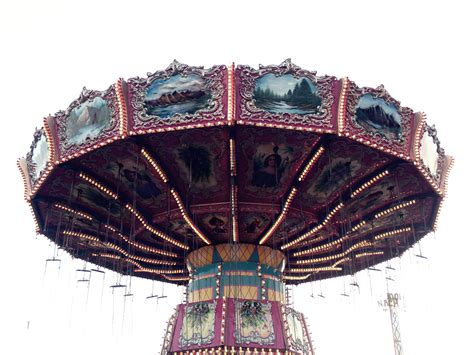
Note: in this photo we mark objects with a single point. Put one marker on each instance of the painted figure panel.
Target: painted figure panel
(373, 197)
(270, 165)
(290, 227)
(178, 227)
(87, 121)
(136, 177)
(196, 163)
(286, 94)
(198, 324)
(216, 224)
(332, 177)
(254, 223)
(177, 95)
(254, 323)
(267, 161)
(97, 200)
(400, 183)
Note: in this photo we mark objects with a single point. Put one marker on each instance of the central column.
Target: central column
(240, 271)
(236, 305)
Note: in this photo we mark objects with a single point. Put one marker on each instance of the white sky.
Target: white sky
(422, 53)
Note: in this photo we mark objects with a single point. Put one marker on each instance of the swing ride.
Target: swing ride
(235, 181)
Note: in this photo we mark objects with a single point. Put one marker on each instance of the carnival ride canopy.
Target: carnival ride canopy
(136, 177)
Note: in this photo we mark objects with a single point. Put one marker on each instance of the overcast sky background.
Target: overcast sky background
(421, 51)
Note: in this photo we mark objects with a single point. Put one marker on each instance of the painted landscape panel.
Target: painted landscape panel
(286, 94)
(375, 115)
(429, 153)
(87, 121)
(40, 156)
(177, 95)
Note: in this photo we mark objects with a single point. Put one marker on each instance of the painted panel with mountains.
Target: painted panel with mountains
(87, 121)
(286, 94)
(377, 116)
(177, 95)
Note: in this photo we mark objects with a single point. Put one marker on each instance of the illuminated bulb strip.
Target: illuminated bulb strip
(359, 245)
(373, 253)
(290, 127)
(152, 261)
(340, 261)
(358, 226)
(116, 257)
(235, 229)
(188, 219)
(176, 278)
(77, 154)
(42, 178)
(122, 108)
(82, 236)
(330, 245)
(49, 140)
(313, 241)
(314, 230)
(159, 272)
(310, 164)
(133, 262)
(169, 332)
(157, 167)
(118, 249)
(143, 269)
(280, 217)
(154, 230)
(233, 168)
(445, 192)
(369, 183)
(296, 278)
(395, 208)
(230, 94)
(342, 106)
(435, 224)
(392, 233)
(177, 128)
(233, 191)
(143, 247)
(107, 256)
(322, 247)
(223, 320)
(24, 175)
(419, 136)
(73, 211)
(37, 226)
(315, 269)
(421, 168)
(98, 185)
